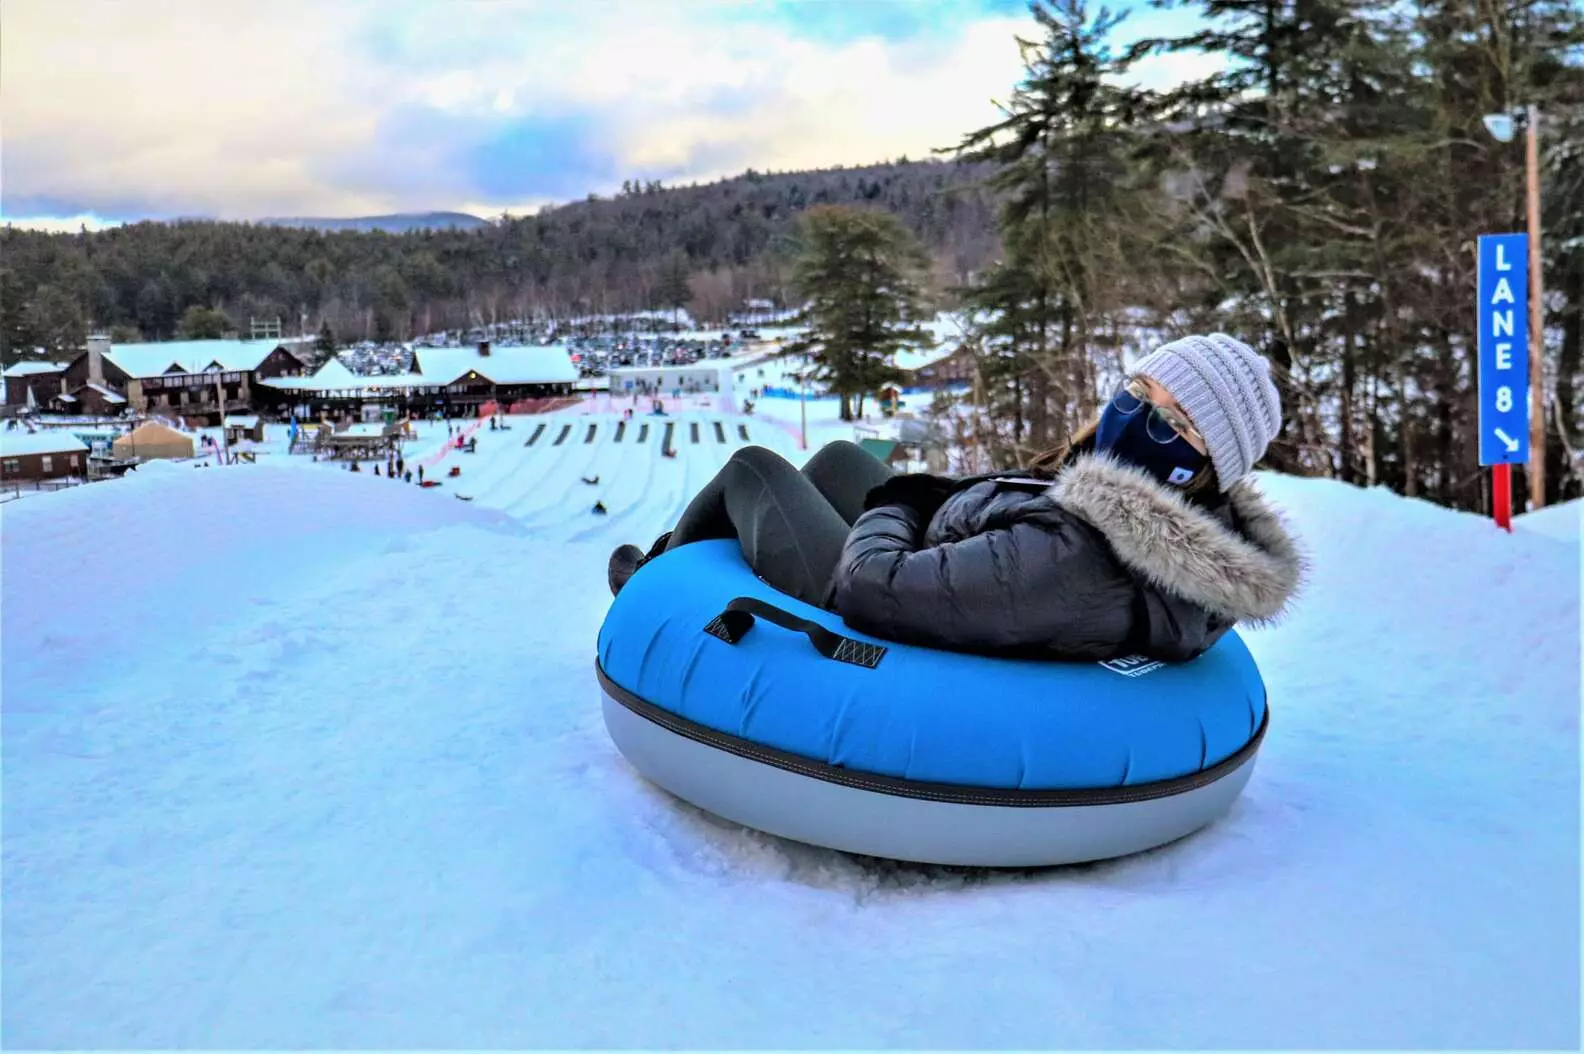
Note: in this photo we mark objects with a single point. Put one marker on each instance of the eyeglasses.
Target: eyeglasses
(1164, 424)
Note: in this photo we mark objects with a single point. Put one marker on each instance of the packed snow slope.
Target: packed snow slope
(300, 758)
(1556, 521)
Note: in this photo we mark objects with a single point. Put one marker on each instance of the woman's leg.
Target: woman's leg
(845, 473)
(790, 534)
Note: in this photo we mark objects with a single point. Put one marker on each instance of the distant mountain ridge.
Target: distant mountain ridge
(396, 223)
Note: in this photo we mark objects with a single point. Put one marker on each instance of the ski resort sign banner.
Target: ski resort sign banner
(1504, 349)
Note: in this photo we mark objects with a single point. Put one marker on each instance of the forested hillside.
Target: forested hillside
(707, 247)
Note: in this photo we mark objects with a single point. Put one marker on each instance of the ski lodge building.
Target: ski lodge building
(455, 381)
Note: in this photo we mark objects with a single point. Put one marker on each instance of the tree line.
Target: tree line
(1320, 196)
(708, 248)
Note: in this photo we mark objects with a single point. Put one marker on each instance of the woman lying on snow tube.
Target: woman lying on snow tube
(1135, 548)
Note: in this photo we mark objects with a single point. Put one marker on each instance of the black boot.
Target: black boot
(627, 559)
(623, 562)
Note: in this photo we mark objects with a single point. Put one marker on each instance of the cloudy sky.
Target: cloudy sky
(126, 109)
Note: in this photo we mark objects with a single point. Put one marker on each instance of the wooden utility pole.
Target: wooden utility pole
(1537, 427)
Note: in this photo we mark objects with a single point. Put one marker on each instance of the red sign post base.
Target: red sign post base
(1501, 495)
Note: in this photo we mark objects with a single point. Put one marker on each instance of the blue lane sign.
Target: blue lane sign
(1504, 348)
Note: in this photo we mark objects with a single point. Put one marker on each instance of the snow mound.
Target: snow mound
(1556, 521)
(300, 758)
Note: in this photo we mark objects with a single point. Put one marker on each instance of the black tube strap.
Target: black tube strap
(738, 619)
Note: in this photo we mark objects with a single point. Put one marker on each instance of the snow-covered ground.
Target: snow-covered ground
(300, 758)
(1558, 521)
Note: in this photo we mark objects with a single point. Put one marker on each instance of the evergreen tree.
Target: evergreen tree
(673, 291)
(1061, 167)
(859, 274)
(325, 343)
(54, 321)
(16, 334)
(203, 323)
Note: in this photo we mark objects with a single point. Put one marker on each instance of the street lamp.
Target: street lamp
(1502, 127)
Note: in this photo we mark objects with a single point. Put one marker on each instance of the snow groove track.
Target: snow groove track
(545, 496)
(540, 479)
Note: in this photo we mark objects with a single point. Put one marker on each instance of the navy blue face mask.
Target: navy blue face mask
(1131, 431)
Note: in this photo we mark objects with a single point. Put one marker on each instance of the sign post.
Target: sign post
(1503, 363)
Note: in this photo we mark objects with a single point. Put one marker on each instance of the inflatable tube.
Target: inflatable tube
(776, 715)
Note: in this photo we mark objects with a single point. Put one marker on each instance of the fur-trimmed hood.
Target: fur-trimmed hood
(1248, 571)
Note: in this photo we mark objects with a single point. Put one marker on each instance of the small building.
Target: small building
(371, 441)
(938, 368)
(244, 426)
(706, 377)
(93, 400)
(888, 452)
(150, 441)
(33, 384)
(42, 455)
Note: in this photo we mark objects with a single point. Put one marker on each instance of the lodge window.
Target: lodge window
(48, 463)
(12, 466)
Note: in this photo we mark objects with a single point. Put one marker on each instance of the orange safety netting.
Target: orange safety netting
(453, 442)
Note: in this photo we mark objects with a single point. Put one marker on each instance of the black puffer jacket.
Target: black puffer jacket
(1100, 563)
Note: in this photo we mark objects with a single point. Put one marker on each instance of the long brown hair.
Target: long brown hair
(1082, 441)
(1057, 456)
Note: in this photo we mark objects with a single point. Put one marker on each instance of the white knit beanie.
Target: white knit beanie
(1226, 389)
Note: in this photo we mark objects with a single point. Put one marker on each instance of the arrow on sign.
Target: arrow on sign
(1508, 441)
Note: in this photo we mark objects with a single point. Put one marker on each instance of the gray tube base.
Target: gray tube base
(819, 812)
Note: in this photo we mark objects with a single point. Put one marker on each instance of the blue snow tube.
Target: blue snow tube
(777, 715)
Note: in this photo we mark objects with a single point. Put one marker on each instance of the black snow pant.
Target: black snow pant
(791, 524)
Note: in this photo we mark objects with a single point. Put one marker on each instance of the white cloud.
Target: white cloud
(249, 108)
(193, 107)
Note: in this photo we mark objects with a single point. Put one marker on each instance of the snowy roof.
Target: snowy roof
(503, 365)
(242, 421)
(332, 376)
(917, 360)
(109, 396)
(27, 369)
(394, 381)
(14, 442)
(441, 366)
(702, 366)
(195, 356)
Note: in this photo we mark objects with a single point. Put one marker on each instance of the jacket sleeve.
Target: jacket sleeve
(1173, 629)
(1018, 587)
